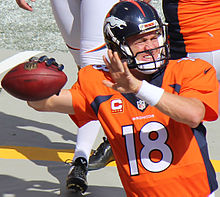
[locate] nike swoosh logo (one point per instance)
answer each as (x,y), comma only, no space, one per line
(207,70)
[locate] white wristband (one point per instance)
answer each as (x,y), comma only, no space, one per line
(149,93)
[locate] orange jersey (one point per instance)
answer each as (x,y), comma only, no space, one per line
(193,25)
(155,155)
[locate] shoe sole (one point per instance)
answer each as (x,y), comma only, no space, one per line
(98,166)
(76,185)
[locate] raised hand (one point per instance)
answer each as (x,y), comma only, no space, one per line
(122,79)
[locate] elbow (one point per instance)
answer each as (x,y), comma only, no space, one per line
(194,124)
(196,114)
(196,118)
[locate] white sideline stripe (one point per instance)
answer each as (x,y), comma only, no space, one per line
(16,59)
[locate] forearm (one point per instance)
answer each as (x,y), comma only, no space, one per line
(61,103)
(41,105)
(189,111)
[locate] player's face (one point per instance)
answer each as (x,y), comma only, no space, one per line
(143,42)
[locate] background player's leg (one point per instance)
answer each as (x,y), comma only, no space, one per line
(67,16)
(92,39)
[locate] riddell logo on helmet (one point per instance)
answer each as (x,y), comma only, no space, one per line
(117,105)
(149,26)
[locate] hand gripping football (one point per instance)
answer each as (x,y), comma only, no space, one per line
(35,80)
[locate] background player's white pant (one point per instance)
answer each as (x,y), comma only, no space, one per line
(67,16)
(81,25)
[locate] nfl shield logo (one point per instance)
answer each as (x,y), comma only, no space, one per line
(141,105)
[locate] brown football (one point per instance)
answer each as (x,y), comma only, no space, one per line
(34,80)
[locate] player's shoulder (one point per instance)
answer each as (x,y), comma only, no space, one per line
(93,70)
(186,61)
(191,65)
(93,73)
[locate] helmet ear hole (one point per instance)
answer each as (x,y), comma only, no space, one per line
(114,47)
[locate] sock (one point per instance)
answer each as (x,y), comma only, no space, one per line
(85,139)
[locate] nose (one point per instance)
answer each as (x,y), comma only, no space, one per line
(148,45)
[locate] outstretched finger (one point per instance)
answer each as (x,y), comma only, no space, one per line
(112,63)
(126,69)
(107,63)
(117,62)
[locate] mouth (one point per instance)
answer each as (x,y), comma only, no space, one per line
(147,57)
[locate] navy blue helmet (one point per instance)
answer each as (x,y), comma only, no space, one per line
(128,18)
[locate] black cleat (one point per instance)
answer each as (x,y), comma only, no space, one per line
(102,156)
(76,179)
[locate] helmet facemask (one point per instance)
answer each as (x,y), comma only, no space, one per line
(148,67)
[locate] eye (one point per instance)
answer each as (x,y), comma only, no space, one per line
(139,42)
(155,37)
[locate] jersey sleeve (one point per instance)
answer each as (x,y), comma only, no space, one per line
(201,83)
(83,111)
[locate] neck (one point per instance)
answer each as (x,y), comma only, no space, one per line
(141,76)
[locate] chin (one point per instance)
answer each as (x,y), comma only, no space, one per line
(146,72)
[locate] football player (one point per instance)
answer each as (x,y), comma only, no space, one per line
(194,31)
